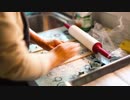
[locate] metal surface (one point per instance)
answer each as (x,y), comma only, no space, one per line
(47,20)
(86,78)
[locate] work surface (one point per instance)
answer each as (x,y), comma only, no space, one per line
(78,65)
(118,78)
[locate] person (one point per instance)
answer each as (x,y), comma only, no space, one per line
(16,63)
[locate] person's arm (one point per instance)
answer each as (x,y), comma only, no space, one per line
(47,45)
(16,63)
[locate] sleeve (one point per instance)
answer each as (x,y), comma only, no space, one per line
(16,63)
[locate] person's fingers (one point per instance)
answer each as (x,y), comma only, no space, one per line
(62,41)
(56,42)
(71,45)
(50,44)
(68,50)
(75,50)
(65,51)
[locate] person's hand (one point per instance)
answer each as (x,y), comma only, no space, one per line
(45,44)
(52,44)
(63,52)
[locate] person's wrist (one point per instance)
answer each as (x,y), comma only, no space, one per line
(54,59)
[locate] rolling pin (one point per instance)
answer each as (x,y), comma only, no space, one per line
(87,40)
